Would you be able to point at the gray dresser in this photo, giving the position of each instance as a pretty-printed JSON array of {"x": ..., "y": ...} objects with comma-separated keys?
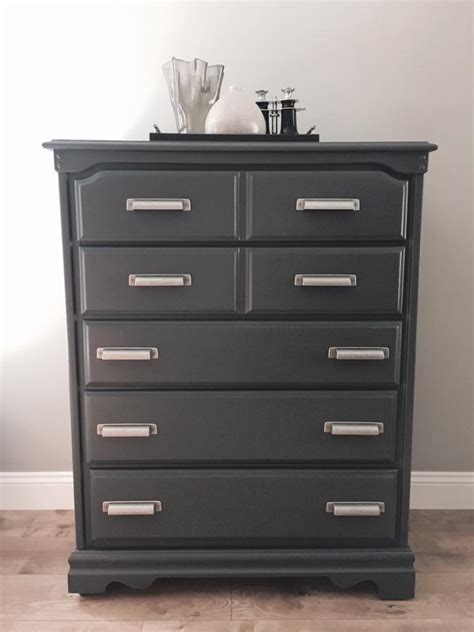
[{"x": 241, "y": 322}]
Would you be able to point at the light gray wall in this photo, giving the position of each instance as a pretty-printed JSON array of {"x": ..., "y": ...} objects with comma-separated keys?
[{"x": 365, "y": 71}]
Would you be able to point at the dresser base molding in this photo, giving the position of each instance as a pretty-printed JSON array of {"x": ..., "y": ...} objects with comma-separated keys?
[{"x": 391, "y": 570}]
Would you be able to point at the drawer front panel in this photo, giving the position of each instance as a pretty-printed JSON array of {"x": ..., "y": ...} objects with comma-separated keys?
[
  {"x": 239, "y": 507},
  {"x": 196, "y": 354},
  {"x": 328, "y": 197},
  {"x": 169, "y": 206},
  {"x": 154, "y": 281},
  {"x": 323, "y": 280},
  {"x": 239, "y": 426}
]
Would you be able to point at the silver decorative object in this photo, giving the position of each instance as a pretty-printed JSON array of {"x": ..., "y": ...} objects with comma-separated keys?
[
  {"x": 193, "y": 87},
  {"x": 277, "y": 109}
]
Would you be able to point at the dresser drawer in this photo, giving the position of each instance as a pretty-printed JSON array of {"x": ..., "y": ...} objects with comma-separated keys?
[
  {"x": 154, "y": 281},
  {"x": 156, "y": 206},
  {"x": 240, "y": 507},
  {"x": 126, "y": 427},
  {"x": 323, "y": 280},
  {"x": 326, "y": 205},
  {"x": 200, "y": 354}
]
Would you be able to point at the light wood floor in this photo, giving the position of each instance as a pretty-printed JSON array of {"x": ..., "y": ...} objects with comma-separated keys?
[{"x": 35, "y": 546}]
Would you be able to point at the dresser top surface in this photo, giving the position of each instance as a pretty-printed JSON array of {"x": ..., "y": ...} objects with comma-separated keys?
[
  {"x": 232, "y": 145},
  {"x": 399, "y": 157}
]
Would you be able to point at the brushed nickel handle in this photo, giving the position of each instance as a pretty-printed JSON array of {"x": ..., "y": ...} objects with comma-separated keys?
[
  {"x": 326, "y": 280},
  {"x": 160, "y": 280},
  {"x": 349, "y": 509},
  {"x": 127, "y": 353},
  {"x": 327, "y": 204},
  {"x": 126, "y": 430},
  {"x": 354, "y": 428},
  {"x": 158, "y": 204},
  {"x": 131, "y": 507},
  {"x": 358, "y": 353}
]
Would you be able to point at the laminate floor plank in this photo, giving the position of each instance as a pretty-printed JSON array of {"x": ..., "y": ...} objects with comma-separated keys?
[
  {"x": 309, "y": 599},
  {"x": 41, "y": 543},
  {"x": 45, "y": 563},
  {"x": 443, "y": 553},
  {"x": 345, "y": 625},
  {"x": 70, "y": 626},
  {"x": 442, "y": 521},
  {"x": 442, "y": 595},
  {"x": 57, "y": 523},
  {"x": 438, "y": 595},
  {"x": 11, "y": 562},
  {"x": 422, "y": 625},
  {"x": 442, "y": 543},
  {"x": 444, "y": 563},
  {"x": 45, "y": 598},
  {"x": 198, "y": 626},
  {"x": 15, "y": 523}
]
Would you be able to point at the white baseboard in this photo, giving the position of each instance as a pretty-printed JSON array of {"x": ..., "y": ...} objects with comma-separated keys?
[
  {"x": 36, "y": 490},
  {"x": 53, "y": 490},
  {"x": 442, "y": 490}
]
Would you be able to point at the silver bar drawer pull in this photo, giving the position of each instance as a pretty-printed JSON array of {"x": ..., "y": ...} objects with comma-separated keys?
[
  {"x": 327, "y": 204},
  {"x": 131, "y": 507},
  {"x": 354, "y": 428},
  {"x": 355, "y": 509},
  {"x": 159, "y": 280},
  {"x": 358, "y": 353},
  {"x": 158, "y": 204},
  {"x": 127, "y": 353},
  {"x": 126, "y": 430},
  {"x": 325, "y": 280}
]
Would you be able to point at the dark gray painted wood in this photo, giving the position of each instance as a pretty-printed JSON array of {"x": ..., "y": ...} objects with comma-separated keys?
[
  {"x": 204, "y": 145},
  {"x": 271, "y": 205},
  {"x": 404, "y": 157},
  {"x": 241, "y": 354},
  {"x": 278, "y": 359},
  {"x": 272, "y": 289},
  {"x": 102, "y": 216},
  {"x": 406, "y": 402},
  {"x": 105, "y": 285},
  {"x": 390, "y": 569},
  {"x": 73, "y": 361},
  {"x": 240, "y": 507},
  {"x": 260, "y": 427}
]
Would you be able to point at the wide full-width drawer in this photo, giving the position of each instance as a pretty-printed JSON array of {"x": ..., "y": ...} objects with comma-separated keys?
[
  {"x": 241, "y": 507},
  {"x": 156, "y": 206},
  {"x": 242, "y": 426},
  {"x": 323, "y": 280},
  {"x": 155, "y": 281},
  {"x": 325, "y": 205},
  {"x": 202, "y": 354}
]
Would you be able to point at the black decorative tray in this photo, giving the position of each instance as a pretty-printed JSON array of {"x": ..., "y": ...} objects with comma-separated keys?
[{"x": 275, "y": 138}]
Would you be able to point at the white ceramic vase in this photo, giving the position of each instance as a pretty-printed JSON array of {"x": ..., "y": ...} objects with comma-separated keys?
[{"x": 235, "y": 113}]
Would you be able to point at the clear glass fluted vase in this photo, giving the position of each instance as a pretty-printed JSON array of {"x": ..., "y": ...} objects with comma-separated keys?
[{"x": 193, "y": 87}]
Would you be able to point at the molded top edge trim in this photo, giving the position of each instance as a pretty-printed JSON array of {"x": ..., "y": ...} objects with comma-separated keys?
[{"x": 146, "y": 145}]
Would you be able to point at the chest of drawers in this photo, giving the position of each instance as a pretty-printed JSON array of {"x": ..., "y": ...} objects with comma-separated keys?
[{"x": 241, "y": 322}]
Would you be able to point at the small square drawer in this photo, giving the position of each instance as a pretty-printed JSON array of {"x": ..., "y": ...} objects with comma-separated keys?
[
  {"x": 157, "y": 281},
  {"x": 156, "y": 206},
  {"x": 199, "y": 508},
  {"x": 244, "y": 354},
  {"x": 326, "y": 205},
  {"x": 238, "y": 426},
  {"x": 325, "y": 280}
]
